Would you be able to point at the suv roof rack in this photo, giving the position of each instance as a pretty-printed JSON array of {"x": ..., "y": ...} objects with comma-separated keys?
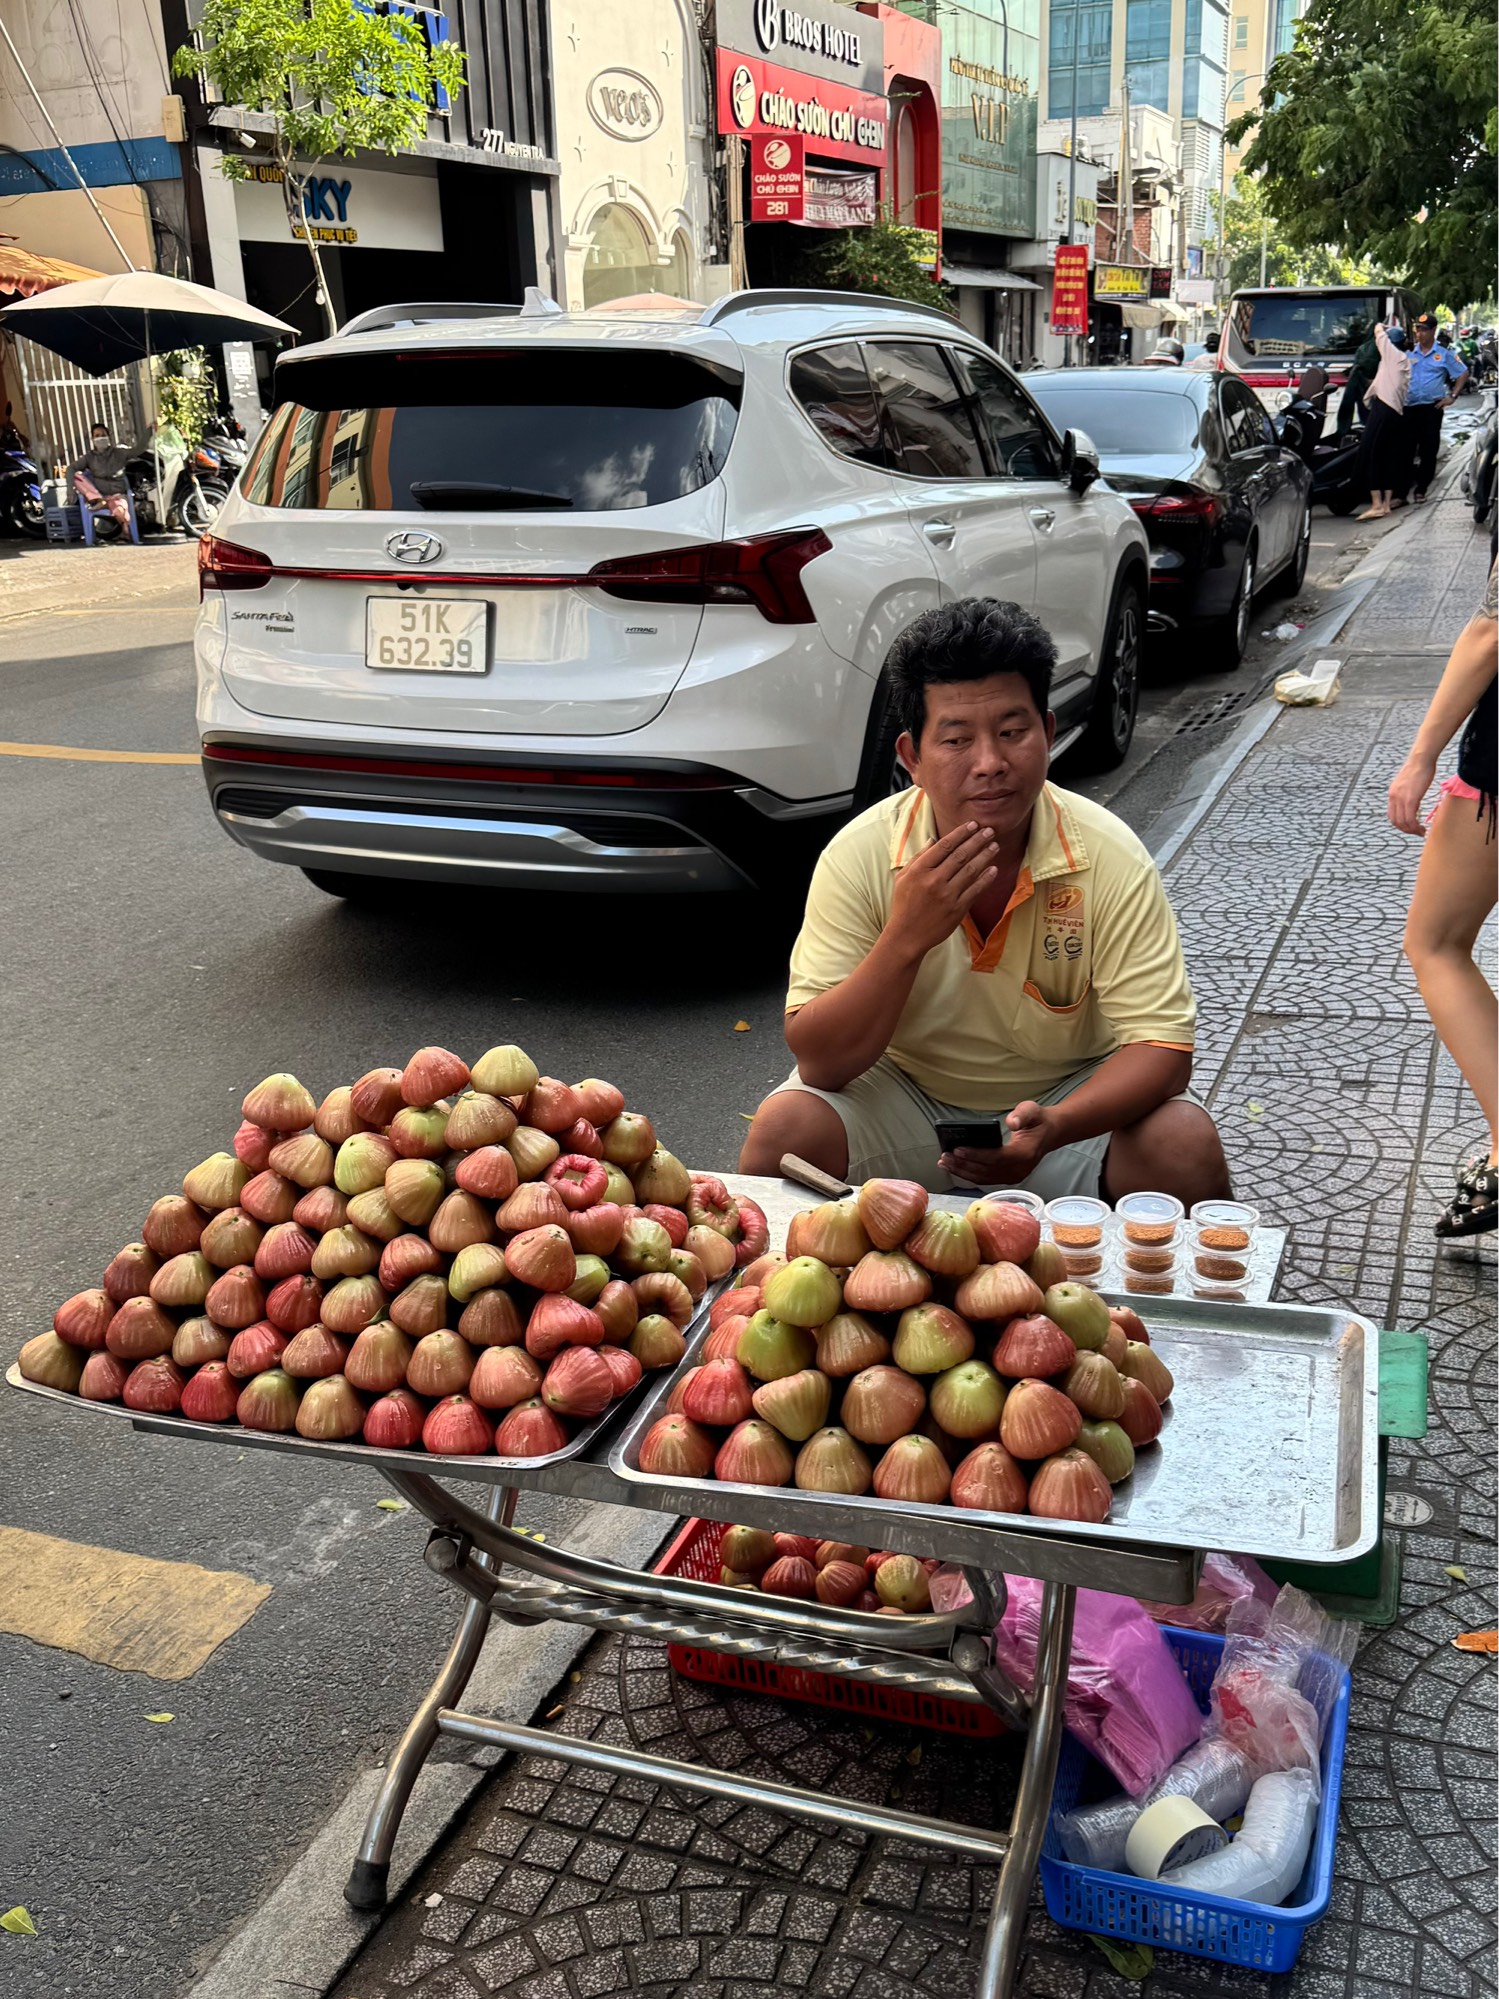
[
  {"x": 422, "y": 312},
  {"x": 747, "y": 301}
]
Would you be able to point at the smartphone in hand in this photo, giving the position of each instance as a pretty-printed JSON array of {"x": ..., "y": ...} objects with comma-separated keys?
[{"x": 983, "y": 1134}]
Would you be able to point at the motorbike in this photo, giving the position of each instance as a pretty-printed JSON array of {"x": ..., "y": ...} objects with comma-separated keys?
[
  {"x": 21, "y": 505},
  {"x": 1334, "y": 465},
  {"x": 173, "y": 486},
  {"x": 1479, "y": 474}
]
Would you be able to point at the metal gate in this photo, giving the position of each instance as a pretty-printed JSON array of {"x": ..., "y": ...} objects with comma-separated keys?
[{"x": 63, "y": 403}]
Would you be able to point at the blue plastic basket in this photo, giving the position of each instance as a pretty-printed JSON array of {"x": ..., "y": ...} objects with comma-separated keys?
[{"x": 1120, "y": 1905}]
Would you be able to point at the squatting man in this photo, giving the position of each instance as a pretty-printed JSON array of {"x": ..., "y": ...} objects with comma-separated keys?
[{"x": 988, "y": 948}]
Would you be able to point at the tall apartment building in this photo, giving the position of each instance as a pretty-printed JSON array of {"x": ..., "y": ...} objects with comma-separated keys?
[
  {"x": 1259, "y": 31},
  {"x": 1172, "y": 55}
]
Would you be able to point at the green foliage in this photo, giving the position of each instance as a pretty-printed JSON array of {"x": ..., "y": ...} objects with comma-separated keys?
[
  {"x": 375, "y": 75},
  {"x": 1378, "y": 134},
  {"x": 1251, "y": 225},
  {"x": 883, "y": 257},
  {"x": 184, "y": 392}
]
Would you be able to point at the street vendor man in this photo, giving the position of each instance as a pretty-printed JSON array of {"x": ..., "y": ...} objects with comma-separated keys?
[{"x": 987, "y": 948}]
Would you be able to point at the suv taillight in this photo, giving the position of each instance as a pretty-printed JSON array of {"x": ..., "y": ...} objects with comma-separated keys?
[
  {"x": 764, "y": 570},
  {"x": 224, "y": 565}
]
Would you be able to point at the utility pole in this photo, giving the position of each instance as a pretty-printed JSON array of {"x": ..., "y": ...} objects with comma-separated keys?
[
  {"x": 1127, "y": 184},
  {"x": 1264, "y": 245},
  {"x": 738, "y": 275}
]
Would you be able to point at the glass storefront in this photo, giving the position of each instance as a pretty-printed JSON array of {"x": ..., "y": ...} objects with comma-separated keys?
[
  {"x": 991, "y": 69},
  {"x": 622, "y": 260}
]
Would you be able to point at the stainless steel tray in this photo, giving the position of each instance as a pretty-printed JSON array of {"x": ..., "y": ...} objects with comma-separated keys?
[
  {"x": 1270, "y": 1446},
  {"x": 488, "y": 1469}
]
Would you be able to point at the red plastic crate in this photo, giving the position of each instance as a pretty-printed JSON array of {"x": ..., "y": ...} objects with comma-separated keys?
[{"x": 695, "y": 1553}]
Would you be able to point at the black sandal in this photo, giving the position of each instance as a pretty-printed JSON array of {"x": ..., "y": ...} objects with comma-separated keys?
[{"x": 1474, "y": 1209}]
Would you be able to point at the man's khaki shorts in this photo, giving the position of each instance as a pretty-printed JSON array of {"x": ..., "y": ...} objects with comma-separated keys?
[{"x": 889, "y": 1121}]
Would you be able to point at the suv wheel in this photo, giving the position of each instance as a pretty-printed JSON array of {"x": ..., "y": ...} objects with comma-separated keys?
[{"x": 1116, "y": 695}]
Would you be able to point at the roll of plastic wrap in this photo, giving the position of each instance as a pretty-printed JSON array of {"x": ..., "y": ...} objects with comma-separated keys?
[{"x": 1170, "y": 1833}]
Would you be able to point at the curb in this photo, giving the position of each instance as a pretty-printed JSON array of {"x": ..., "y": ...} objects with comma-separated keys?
[{"x": 304, "y": 1936}]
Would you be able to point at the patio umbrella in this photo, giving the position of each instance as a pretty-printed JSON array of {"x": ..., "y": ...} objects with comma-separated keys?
[
  {"x": 23, "y": 272},
  {"x": 104, "y": 323}
]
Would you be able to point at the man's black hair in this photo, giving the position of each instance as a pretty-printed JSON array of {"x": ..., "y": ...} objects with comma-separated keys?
[{"x": 969, "y": 640}]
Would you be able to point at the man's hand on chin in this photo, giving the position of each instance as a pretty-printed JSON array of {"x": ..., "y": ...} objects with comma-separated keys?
[{"x": 1033, "y": 1134}]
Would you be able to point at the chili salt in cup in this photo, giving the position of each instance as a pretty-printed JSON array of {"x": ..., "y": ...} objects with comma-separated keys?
[
  {"x": 1152, "y": 1257},
  {"x": 1154, "y": 1283},
  {"x": 1225, "y": 1225},
  {"x": 1076, "y": 1221},
  {"x": 1150, "y": 1219}
]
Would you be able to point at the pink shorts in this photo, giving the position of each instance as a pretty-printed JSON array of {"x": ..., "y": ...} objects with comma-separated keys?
[{"x": 1453, "y": 787}]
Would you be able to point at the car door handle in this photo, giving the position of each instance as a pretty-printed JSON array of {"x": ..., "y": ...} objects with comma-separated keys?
[
  {"x": 1043, "y": 516},
  {"x": 939, "y": 531}
]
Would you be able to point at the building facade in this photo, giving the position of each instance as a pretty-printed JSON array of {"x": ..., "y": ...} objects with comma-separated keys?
[
  {"x": 470, "y": 211},
  {"x": 1169, "y": 56},
  {"x": 634, "y": 101},
  {"x": 1259, "y": 31}
]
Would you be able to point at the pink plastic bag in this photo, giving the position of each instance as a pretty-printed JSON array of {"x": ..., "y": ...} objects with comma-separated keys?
[
  {"x": 1226, "y": 1580},
  {"x": 1127, "y": 1701}
]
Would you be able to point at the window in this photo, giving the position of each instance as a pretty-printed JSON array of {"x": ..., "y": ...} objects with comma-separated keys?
[
  {"x": 494, "y": 430},
  {"x": 932, "y": 423},
  {"x": 1086, "y": 27},
  {"x": 1236, "y": 95},
  {"x": 621, "y": 261},
  {"x": 1018, "y": 441},
  {"x": 1241, "y": 31},
  {"x": 1243, "y": 419},
  {"x": 1132, "y": 421},
  {"x": 832, "y": 385}
]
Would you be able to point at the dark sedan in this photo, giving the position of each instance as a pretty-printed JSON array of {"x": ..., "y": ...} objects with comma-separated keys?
[{"x": 1228, "y": 512}]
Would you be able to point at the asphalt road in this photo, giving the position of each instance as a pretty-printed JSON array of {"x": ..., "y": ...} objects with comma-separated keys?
[{"x": 152, "y": 972}]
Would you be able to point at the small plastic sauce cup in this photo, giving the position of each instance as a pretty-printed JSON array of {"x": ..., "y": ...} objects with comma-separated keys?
[
  {"x": 1226, "y": 1225},
  {"x": 1083, "y": 1264},
  {"x": 1077, "y": 1221},
  {"x": 1150, "y": 1218},
  {"x": 1155, "y": 1283},
  {"x": 1153, "y": 1258}
]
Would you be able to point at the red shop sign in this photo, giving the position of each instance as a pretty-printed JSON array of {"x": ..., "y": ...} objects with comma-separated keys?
[
  {"x": 1069, "y": 289},
  {"x": 778, "y": 188},
  {"x": 758, "y": 98}
]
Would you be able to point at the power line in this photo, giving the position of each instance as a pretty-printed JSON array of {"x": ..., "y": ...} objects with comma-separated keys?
[{"x": 88, "y": 192}]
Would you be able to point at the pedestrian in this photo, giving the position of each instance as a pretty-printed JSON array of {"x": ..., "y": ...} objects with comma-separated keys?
[
  {"x": 989, "y": 950},
  {"x": 1387, "y": 451},
  {"x": 98, "y": 474},
  {"x": 1457, "y": 883},
  {"x": 1356, "y": 387},
  {"x": 1437, "y": 380}
]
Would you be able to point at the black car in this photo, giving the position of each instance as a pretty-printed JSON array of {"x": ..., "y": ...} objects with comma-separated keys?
[{"x": 1227, "y": 510}]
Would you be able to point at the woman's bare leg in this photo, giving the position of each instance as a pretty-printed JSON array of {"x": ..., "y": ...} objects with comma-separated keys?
[{"x": 1456, "y": 887}]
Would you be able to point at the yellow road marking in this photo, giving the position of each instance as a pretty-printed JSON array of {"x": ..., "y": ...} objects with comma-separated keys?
[
  {"x": 71, "y": 755},
  {"x": 127, "y": 1611}
]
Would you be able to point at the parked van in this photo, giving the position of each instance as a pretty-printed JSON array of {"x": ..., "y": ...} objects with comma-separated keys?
[{"x": 1271, "y": 335}]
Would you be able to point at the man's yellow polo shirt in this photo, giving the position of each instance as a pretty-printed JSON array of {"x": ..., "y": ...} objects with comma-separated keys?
[{"x": 1084, "y": 961}]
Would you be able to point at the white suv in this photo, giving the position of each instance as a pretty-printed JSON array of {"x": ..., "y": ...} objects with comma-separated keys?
[{"x": 582, "y": 600}]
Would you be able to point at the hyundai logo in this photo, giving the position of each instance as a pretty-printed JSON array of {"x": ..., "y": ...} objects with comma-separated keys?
[{"x": 412, "y": 547}]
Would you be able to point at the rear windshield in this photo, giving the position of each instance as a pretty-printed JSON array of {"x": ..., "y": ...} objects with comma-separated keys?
[
  {"x": 492, "y": 432},
  {"x": 1297, "y": 325},
  {"x": 1133, "y": 421}
]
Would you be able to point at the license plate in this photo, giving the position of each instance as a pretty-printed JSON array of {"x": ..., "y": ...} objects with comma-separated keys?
[{"x": 425, "y": 635}]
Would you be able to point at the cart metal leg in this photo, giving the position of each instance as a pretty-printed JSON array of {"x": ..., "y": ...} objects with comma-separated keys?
[
  {"x": 1038, "y": 1772},
  {"x": 368, "y": 1879}
]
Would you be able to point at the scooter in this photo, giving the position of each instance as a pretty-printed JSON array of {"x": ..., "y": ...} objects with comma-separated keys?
[
  {"x": 1333, "y": 465},
  {"x": 21, "y": 506},
  {"x": 1479, "y": 475}
]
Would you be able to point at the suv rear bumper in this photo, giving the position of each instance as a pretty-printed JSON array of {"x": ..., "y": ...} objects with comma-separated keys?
[{"x": 567, "y": 824}]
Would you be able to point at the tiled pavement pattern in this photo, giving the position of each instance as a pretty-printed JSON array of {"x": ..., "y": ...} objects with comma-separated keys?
[{"x": 1342, "y": 1115}]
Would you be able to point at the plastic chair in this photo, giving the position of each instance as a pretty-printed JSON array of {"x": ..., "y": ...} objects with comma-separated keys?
[{"x": 88, "y": 510}]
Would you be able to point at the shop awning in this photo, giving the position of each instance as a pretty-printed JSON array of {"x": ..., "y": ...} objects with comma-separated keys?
[
  {"x": 992, "y": 281},
  {"x": 1141, "y": 315},
  {"x": 24, "y": 274}
]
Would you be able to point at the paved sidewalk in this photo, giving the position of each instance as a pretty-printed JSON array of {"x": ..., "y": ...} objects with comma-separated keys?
[
  {"x": 36, "y": 576},
  {"x": 1342, "y": 1115}
]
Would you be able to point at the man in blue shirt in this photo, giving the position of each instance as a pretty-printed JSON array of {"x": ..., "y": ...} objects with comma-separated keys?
[{"x": 1437, "y": 379}]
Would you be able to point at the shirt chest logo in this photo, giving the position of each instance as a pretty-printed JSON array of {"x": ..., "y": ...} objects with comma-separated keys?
[{"x": 1062, "y": 930}]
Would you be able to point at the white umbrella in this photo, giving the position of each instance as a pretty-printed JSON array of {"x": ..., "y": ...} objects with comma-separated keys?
[{"x": 102, "y": 323}]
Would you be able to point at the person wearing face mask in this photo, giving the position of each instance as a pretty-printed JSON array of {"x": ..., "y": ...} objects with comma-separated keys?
[
  {"x": 98, "y": 475},
  {"x": 989, "y": 952}
]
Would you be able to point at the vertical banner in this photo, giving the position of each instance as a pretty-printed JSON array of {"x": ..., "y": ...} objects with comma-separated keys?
[
  {"x": 777, "y": 179},
  {"x": 1069, "y": 289}
]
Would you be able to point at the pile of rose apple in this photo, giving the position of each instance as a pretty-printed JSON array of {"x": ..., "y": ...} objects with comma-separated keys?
[
  {"x": 461, "y": 1260},
  {"x": 923, "y": 1355}
]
